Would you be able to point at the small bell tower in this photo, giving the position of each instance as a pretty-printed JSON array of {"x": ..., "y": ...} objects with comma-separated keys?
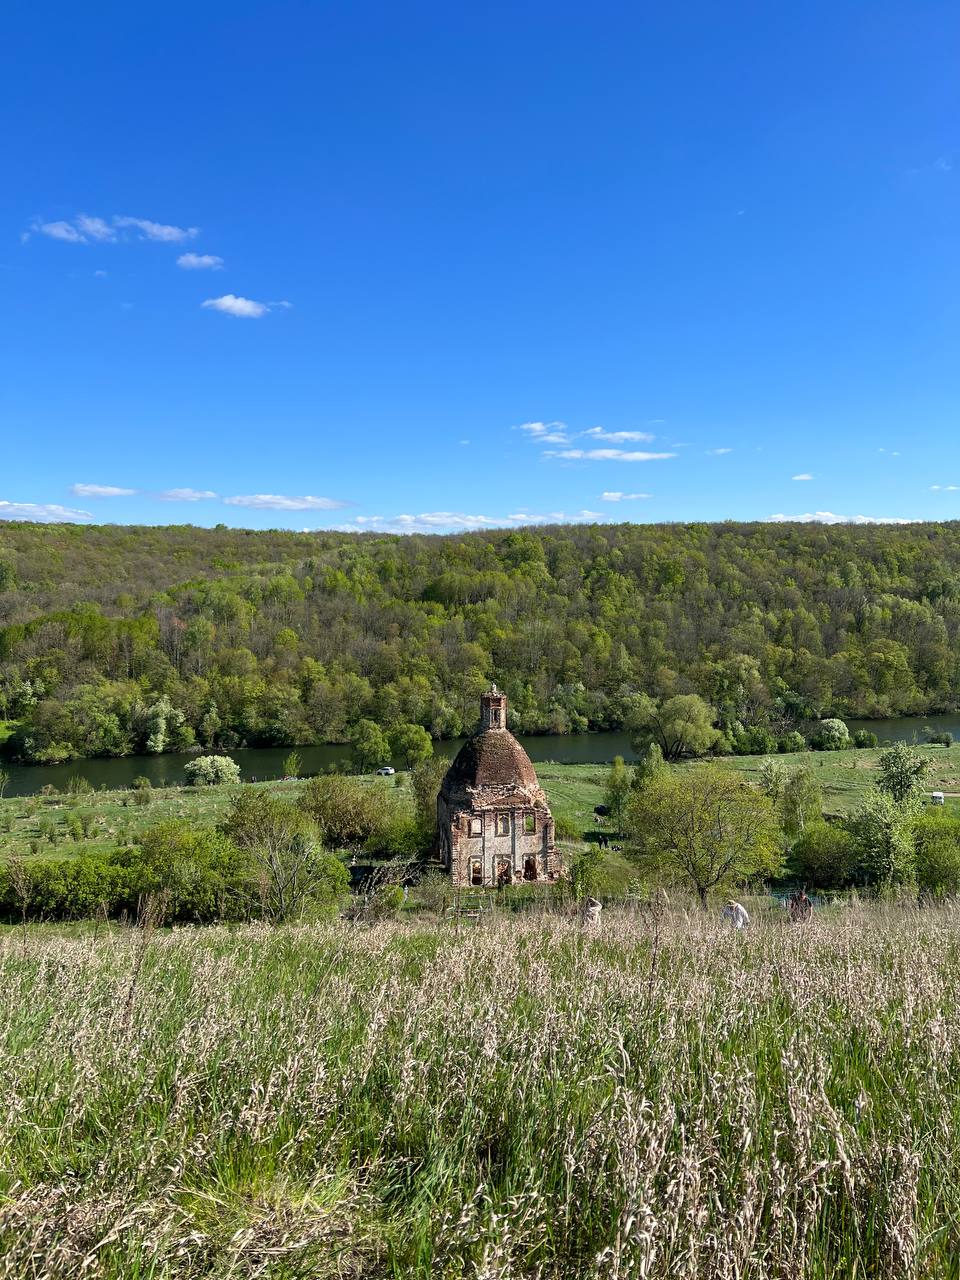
[{"x": 493, "y": 709}]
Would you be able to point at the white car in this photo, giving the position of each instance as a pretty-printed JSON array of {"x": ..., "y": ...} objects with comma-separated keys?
[{"x": 386, "y": 772}]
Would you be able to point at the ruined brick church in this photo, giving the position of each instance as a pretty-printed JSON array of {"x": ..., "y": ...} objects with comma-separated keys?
[{"x": 493, "y": 819}]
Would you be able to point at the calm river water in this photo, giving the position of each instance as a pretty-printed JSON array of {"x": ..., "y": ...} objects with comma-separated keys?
[{"x": 267, "y": 762}]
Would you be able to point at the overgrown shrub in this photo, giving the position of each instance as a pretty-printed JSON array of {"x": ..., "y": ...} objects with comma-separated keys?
[
  {"x": 937, "y": 852},
  {"x": 567, "y": 828},
  {"x": 824, "y": 857}
]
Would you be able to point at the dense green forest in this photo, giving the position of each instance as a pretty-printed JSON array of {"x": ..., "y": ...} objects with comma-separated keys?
[{"x": 116, "y": 640}]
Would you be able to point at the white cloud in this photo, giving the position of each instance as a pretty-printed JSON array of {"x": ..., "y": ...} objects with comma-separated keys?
[
  {"x": 716, "y": 453},
  {"x": 100, "y": 274},
  {"x": 545, "y": 432},
  {"x": 607, "y": 455},
  {"x": 284, "y": 502},
  {"x": 42, "y": 511},
  {"x": 554, "y": 517},
  {"x": 199, "y": 262},
  {"x": 231, "y": 305},
  {"x": 614, "y": 495},
  {"x": 441, "y": 521},
  {"x": 60, "y": 231},
  {"x": 84, "y": 228},
  {"x": 829, "y": 517},
  {"x": 186, "y": 495},
  {"x": 95, "y": 228},
  {"x": 944, "y": 488},
  {"x": 101, "y": 491},
  {"x": 804, "y": 475},
  {"x": 157, "y": 230},
  {"x": 618, "y": 437}
]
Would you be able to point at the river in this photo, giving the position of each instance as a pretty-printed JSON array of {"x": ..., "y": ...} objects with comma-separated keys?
[{"x": 267, "y": 762}]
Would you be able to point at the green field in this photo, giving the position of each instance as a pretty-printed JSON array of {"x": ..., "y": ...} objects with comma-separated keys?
[
  {"x": 520, "y": 1099},
  {"x": 845, "y": 776}
]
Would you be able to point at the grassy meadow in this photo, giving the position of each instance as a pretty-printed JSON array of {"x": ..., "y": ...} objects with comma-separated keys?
[{"x": 524, "y": 1098}]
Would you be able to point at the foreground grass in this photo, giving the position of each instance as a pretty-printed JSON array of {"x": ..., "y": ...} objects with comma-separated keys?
[{"x": 520, "y": 1100}]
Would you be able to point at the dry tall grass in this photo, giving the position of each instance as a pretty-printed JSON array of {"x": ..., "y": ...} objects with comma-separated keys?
[{"x": 523, "y": 1100}]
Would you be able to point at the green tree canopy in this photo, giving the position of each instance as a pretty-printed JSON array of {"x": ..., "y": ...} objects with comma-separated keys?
[
  {"x": 410, "y": 743},
  {"x": 882, "y": 832},
  {"x": 369, "y": 747},
  {"x": 902, "y": 773},
  {"x": 617, "y": 792},
  {"x": 705, "y": 828},
  {"x": 680, "y": 726}
]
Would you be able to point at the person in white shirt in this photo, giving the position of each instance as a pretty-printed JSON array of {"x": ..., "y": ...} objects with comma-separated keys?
[{"x": 736, "y": 913}]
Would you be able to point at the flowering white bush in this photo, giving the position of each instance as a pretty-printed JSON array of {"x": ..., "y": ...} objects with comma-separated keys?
[{"x": 210, "y": 771}]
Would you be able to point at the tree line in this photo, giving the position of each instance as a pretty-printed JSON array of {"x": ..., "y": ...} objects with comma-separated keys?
[{"x": 117, "y": 640}]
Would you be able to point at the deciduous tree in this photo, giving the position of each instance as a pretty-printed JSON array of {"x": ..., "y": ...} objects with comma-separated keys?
[{"x": 705, "y": 828}]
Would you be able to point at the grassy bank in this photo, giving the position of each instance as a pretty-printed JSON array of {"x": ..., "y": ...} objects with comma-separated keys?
[
  {"x": 846, "y": 776},
  {"x": 519, "y": 1100},
  {"x": 41, "y": 825}
]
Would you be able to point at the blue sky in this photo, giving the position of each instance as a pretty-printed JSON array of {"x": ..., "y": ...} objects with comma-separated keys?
[{"x": 439, "y": 266}]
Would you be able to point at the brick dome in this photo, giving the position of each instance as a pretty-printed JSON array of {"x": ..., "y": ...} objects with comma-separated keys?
[{"x": 493, "y": 758}]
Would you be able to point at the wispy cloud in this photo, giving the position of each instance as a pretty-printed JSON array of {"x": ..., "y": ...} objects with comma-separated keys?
[
  {"x": 59, "y": 231},
  {"x": 95, "y": 228},
  {"x": 186, "y": 495},
  {"x": 284, "y": 502},
  {"x": 829, "y": 517},
  {"x": 804, "y": 475},
  {"x": 444, "y": 521},
  {"x": 614, "y": 495},
  {"x": 161, "y": 231},
  {"x": 607, "y": 455},
  {"x": 199, "y": 262},
  {"x": 716, "y": 453},
  {"x": 101, "y": 491},
  {"x": 944, "y": 488},
  {"x": 42, "y": 511},
  {"x": 243, "y": 308},
  {"x": 545, "y": 432},
  {"x": 554, "y": 517},
  {"x": 85, "y": 228},
  {"x": 618, "y": 437}
]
